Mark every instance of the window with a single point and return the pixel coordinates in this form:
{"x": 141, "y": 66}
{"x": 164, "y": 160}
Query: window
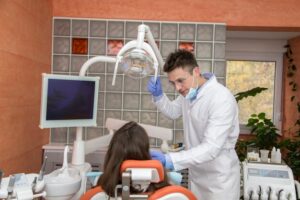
{"x": 256, "y": 63}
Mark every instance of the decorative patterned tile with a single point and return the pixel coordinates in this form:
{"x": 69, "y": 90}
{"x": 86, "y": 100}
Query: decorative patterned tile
{"x": 154, "y": 28}
{"x": 220, "y": 51}
{"x": 131, "y": 101}
{"x": 77, "y": 62}
{"x": 97, "y": 47}
{"x": 147, "y": 102}
{"x": 186, "y": 31}
{"x": 144, "y": 84}
{"x": 131, "y": 116}
{"x": 204, "y": 50}
{"x": 189, "y": 46}
{"x": 167, "y": 86}
{"x": 113, "y": 101}
{"x": 205, "y": 32}
{"x": 220, "y": 32}
{"x": 114, "y": 46}
{"x": 98, "y": 67}
{"x": 205, "y": 66}
{"x": 100, "y": 121}
{"x": 93, "y": 132}
{"x": 132, "y": 29}
{"x": 61, "y": 45}
{"x": 59, "y": 135}
{"x": 101, "y": 97}
{"x": 72, "y": 135}
{"x": 80, "y": 46}
{"x": 149, "y": 118}
{"x": 115, "y": 29}
{"x": 62, "y": 27}
{"x": 98, "y": 28}
{"x": 118, "y": 84}
{"x": 61, "y": 63}
{"x": 111, "y": 67}
{"x": 80, "y": 28}
{"x": 167, "y": 48}
{"x": 169, "y": 31}
{"x": 131, "y": 85}
{"x": 113, "y": 114}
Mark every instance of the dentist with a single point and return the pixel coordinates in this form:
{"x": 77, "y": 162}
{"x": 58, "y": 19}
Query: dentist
{"x": 211, "y": 128}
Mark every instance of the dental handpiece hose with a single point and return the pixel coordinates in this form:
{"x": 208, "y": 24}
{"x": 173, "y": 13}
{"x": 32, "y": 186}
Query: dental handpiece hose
{"x": 42, "y": 171}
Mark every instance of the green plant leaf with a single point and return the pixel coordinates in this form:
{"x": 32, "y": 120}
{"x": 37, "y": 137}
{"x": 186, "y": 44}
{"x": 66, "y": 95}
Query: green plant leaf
{"x": 252, "y": 92}
{"x": 262, "y": 115}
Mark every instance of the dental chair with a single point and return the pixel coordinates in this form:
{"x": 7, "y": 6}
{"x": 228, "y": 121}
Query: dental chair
{"x": 142, "y": 173}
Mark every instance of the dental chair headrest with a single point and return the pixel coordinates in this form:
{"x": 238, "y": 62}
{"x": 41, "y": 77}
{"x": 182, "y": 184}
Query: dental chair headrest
{"x": 139, "y": 169}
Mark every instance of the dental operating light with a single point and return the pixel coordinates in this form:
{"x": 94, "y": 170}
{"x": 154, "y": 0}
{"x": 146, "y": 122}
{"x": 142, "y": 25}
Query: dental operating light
{"x": 138, "y": 59}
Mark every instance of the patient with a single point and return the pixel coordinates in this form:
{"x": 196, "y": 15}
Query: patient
{"x": 130, "y": 142}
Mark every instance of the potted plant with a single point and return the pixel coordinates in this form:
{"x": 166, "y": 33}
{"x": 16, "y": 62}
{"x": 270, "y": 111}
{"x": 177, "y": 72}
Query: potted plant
{"x": 264, "y": 130}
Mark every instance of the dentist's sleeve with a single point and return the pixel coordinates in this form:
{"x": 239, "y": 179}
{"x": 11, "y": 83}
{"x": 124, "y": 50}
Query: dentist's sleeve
{"x": 221, "y": 122}
{"x": 172, "y": 109}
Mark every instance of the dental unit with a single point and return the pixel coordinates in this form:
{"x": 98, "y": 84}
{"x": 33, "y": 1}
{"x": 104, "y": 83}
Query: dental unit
{"x": 137, "y": 59}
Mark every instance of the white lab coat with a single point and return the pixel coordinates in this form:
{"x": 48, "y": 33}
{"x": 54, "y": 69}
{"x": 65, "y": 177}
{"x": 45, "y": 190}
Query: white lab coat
{"x": 211, "y": 129}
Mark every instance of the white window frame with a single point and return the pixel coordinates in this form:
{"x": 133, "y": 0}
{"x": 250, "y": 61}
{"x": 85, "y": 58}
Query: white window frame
{"x": 261, "y": 50}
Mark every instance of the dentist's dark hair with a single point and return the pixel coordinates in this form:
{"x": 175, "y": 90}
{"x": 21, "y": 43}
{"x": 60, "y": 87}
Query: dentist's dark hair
{"x": 130, "y": 142}
{"x": 180, "y": 59}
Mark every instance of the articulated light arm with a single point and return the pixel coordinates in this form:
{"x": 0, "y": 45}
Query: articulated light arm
{"x": 144, "y": 28}
{"x": 79, "y": 147}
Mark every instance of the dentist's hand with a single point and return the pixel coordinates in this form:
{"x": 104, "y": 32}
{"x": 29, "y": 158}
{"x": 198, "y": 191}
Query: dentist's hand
{"x": 163, "y": 158}
{"x": 154, "y": 87}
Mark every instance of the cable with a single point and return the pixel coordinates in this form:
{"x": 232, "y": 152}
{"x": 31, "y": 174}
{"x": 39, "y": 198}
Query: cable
{"x": 279, "y": 192}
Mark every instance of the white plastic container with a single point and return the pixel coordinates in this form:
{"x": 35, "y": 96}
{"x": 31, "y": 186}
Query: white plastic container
{"x": 273, "y": 155}
{"x": 278, "y": 156}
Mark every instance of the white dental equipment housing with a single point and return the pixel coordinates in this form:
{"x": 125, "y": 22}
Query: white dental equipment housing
{"x": 63, "y": 183}
{"x": 268, "y": 181}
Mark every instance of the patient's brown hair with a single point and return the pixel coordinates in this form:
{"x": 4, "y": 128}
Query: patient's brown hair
{"x": 130, "y": 142}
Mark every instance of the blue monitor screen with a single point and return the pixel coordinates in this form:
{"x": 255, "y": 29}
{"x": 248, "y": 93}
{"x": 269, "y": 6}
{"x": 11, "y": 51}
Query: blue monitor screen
{"x": 70, "y": 99}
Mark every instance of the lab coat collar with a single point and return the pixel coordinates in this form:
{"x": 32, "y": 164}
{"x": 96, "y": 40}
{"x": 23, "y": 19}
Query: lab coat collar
{"x": 211, "y": 78}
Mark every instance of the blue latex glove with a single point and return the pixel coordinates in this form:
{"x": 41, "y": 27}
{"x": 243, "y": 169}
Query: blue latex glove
{"x": 154, "y": 87}
{"x": 174, "y": 177}
{"x": 163, "y": 158}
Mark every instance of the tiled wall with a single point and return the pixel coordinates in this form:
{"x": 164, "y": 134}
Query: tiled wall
{"x": 77, "y": 40}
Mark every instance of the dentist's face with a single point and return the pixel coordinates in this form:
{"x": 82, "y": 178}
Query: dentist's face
{"x": 182, "y": 80}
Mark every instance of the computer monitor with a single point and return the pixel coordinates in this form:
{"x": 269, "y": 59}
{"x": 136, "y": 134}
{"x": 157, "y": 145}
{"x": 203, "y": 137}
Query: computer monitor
{"x": 68, "y": 101}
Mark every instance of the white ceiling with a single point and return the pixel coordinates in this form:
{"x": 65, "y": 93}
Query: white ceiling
{"x": 261, "y": 35}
